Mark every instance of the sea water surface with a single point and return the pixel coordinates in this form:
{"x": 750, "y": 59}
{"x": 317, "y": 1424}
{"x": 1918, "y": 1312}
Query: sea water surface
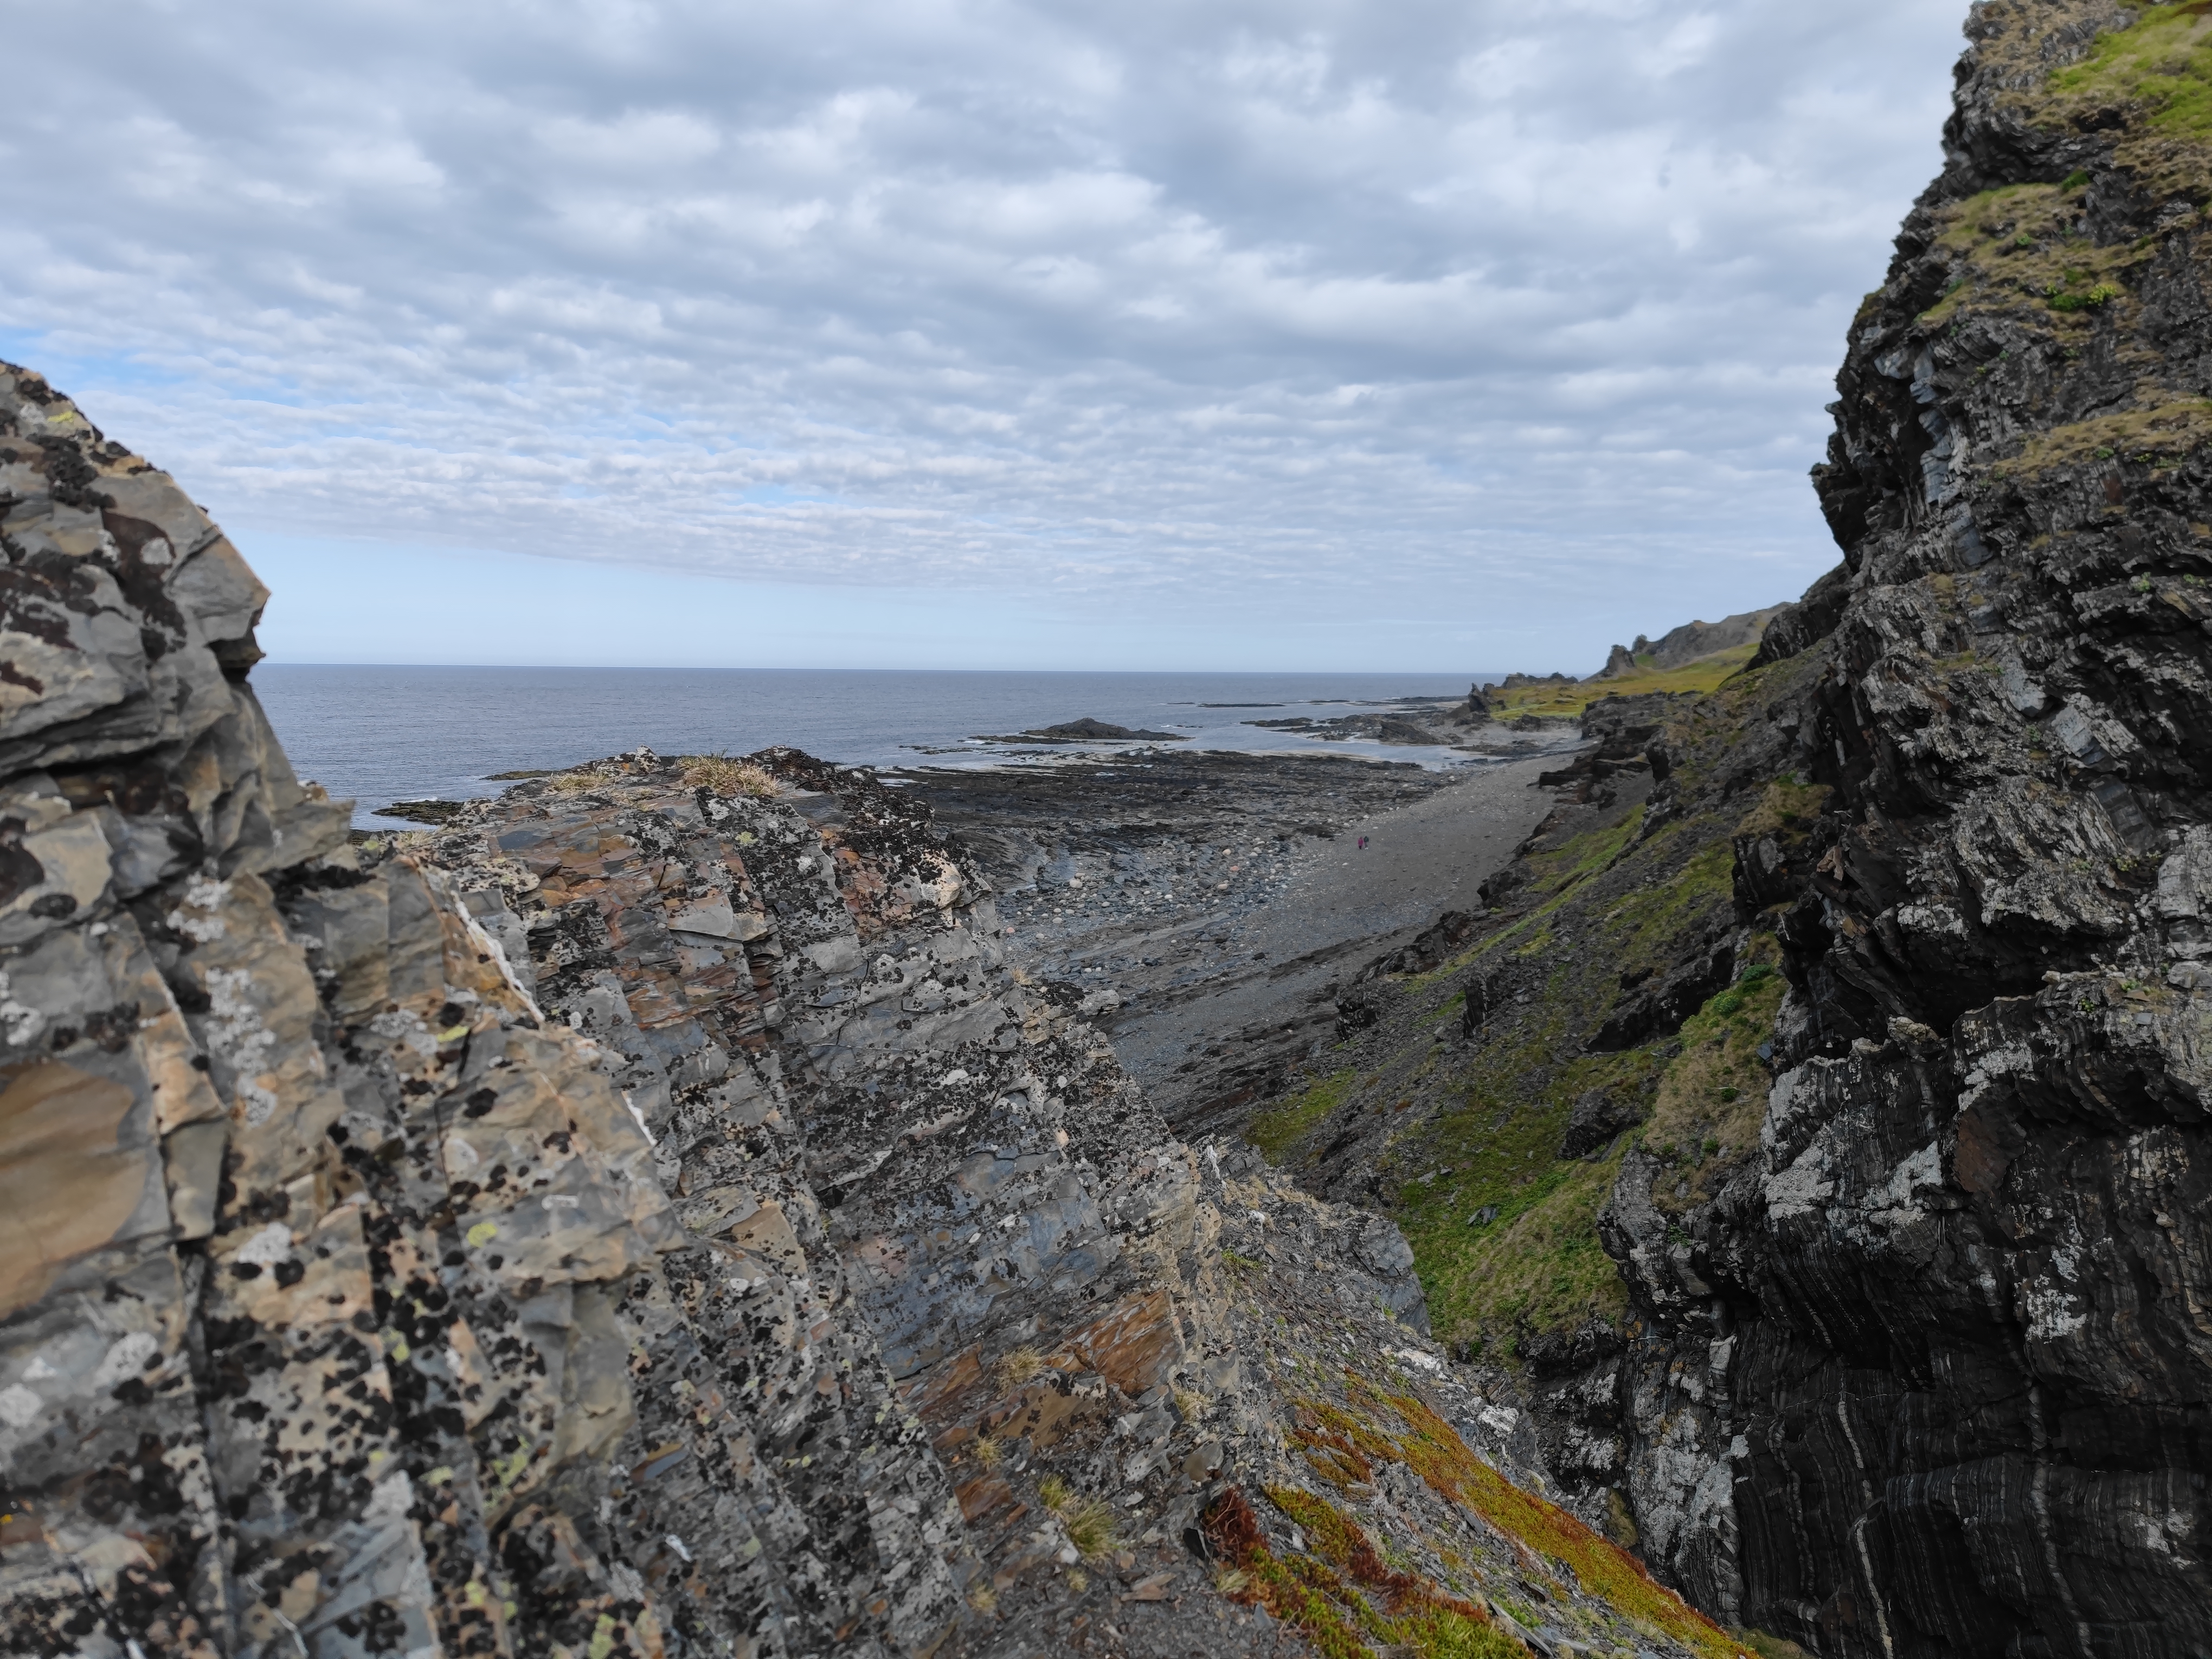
{"x": 378, "y": 735}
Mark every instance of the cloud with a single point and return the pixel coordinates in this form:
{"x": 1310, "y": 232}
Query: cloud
{"x": 1264, "y": 313}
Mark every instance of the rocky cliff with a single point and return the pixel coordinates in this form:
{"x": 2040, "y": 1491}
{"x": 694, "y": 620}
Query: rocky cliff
{"x": 1948, "y": 1328}
{"x": 1858, "y": 1010}
{"x": 647, "y": 1216}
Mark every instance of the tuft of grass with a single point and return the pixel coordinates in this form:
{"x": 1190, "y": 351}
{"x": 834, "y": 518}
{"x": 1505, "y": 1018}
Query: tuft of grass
{"x": 1091, "y": 1528}
{"x": 983, "y": 1598}
{"x": 1088, "y": 1521}
{"x": 719, "y": 775}
{"x": 2172, "y": 427}
{"x": 1017, "y": 1368}
{"x": 987, "y": 1451}
{"x": 1276, "y": 1131}
{"x": 1192, "y": 1405}
{"x": 2084, "y": 299}
{"x": 1786, "y": 806}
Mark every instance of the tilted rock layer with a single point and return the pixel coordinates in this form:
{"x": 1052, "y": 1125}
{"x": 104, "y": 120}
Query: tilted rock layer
{"x": 647, "y": 1217}
{"x": 1932, "y": 1373}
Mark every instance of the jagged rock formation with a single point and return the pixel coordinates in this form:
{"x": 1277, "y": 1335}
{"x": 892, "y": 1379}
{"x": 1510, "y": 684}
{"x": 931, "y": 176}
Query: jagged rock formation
{"x": 645, "y": 1217}
{"x": 1930, "y": 1374}
{"x": 1678, "y": 647}
{"x": 1910, "y": 1352}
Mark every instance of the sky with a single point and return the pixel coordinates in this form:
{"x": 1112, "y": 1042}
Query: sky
{"x": 1319, "y": 334}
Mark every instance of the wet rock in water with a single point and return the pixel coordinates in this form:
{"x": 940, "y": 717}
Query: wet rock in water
{"x": 1087, "y": 730}
{"x": 420, "y": 811}
{"x": 1395, "y": 729}
{"x": 638, "y": 1220}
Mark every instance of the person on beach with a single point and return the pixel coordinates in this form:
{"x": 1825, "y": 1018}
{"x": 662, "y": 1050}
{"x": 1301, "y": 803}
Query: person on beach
{"x": 1363, "y": 843}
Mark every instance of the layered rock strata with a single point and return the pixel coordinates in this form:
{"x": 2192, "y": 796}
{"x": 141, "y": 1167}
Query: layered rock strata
{"x": 1932, "y": 1373}
{"x": 647, "y": 1217}
{"x": 1909, "y": 1352}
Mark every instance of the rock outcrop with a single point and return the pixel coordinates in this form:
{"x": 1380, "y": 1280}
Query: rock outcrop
{"x": 1876, "y": 1011}
{"x": 644, "y": 1216}
{"x": 1931, "y": 1373}
{"x": 1678, "y": 647}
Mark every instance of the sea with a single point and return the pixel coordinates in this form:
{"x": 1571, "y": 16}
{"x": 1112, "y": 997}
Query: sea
{"x": 376, "y": 735}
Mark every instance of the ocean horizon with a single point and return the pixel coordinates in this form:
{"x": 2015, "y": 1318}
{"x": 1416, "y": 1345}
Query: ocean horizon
{"x": 376, "y": 734}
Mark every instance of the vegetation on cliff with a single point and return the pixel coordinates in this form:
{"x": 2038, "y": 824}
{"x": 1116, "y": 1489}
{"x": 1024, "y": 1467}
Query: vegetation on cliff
{"x": 1459, "y": 1118}
{"x": 1919, "y": 1367}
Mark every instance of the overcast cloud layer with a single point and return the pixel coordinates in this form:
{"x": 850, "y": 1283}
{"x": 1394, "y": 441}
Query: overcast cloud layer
{"x": 1477, "y": 330}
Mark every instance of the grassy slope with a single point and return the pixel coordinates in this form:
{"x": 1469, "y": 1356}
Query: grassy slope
{"x": 1558, "y": 698}
{"x": 1464, "y": 1129}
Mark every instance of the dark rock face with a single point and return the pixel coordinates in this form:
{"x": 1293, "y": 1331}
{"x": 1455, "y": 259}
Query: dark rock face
{"x": 1657, "y": 1008}
{"x": 1619, "y": 661}
{"x": 1620, "y": 731}
{"x": 1599, "y": 1116}
{"x": 1430, "y": 949}
{"x": 1932, "y": 1373}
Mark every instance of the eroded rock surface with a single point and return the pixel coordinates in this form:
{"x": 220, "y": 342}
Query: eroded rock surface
{"x": 1932, "y": 1373}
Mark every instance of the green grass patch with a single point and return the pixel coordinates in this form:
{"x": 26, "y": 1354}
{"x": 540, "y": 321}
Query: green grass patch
{"x": 1564, "y": 869}
{"x": 1436, "y": 1015}
{"x": 1584, "y": 855}
{"x": 1276, "y": 1131}
{"x": 1538, "y": 1265}
{"x": 2162, "y": 64}
{"x": 2019, "y": 250}
{"x": 1712, "y": 1096}
{"x": 1786, "y": 806}
{"x": 1560, "y": 699}
{"x": 2146, "y": 436}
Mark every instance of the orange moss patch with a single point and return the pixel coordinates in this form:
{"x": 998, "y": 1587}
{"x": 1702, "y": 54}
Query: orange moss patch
{"x": 1343, "y": 1543}
{"x": 1333, "y": 1454}
{"x": 1433, "y": 1450}
{"x": 1334, "y": 1614}
{"x": 1233, "y": 1532}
